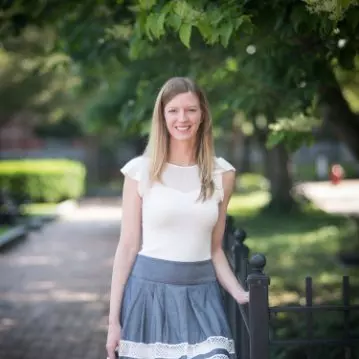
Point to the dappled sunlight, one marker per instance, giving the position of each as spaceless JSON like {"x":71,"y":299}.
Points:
{"x":40,"y":285}
{"x":35,"y":261}
{"x":57,"y":284}
{"x":73,"y":296}
{"x":24,"y":297}
{"x":329,"y":278}
{"x":52,"y":292}
{"x":79,"y":81}
{"x":286,"y":261}
{"x":281,"y":298}
{"x":97,"y":213}
{"x":296,"y":246}
{"x":244,"y":204}
{"x":6,"y":323}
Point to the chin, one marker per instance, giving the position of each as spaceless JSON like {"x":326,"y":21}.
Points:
{"x":187,"y":137}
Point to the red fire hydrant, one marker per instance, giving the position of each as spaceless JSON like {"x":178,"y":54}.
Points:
{"x":336,"y":174}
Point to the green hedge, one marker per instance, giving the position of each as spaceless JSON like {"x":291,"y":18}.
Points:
{"x":43,"y":180}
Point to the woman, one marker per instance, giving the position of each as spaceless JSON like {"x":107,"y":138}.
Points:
{"x":165,"y":298}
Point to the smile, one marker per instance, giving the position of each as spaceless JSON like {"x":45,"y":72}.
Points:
{"x":183,"y":128}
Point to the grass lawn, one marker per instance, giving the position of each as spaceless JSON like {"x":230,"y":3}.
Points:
{"x":39,"y":209}
{"x":295,"y":246}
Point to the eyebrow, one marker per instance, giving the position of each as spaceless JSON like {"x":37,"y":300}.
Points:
{"x":190,"y":106}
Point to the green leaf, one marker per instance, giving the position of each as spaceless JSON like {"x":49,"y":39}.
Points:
{"x":275,"y":138}
{"x":160,"y":27}
{"x":185,"y":34}
{"x":244,"y":19}
{"x":225,"y":33}
{"x":150,"y":24}
{"x":174,"y":21}
{"x":213,"y":36}
{"x":147,"y":4}
{"x":180,"y":8}
{"x":215,"y":16}
{"x":204,"y":28}
{"x":155,"y":24}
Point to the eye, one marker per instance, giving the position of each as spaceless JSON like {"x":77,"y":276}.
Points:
{"x":172,"y":110}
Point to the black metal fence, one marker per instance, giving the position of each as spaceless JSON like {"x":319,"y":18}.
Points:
{"x":237,"y":253}
{"x":252,"y":324}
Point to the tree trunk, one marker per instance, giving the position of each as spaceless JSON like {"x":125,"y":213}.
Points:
{"x":337,"y":113}
{"x":278,"y":172}
{"x":239,"y":149}
{"x":245,"y":164}
{"x":92,"y":161}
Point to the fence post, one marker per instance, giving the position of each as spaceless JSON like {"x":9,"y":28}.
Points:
{"x":242,"y":252}
{"x":241,"y":258}
{"x":258,"y":284}
{"x":231,"y":246}
{"x":227,"y":240}
{"x":228,"y":230}
{"x":237,"y":255}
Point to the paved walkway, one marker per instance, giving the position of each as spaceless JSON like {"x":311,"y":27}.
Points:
{"x":54,"y":287}
{"x":342,"y":198}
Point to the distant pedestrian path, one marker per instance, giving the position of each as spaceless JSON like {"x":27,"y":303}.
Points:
{"x":54,"y":287}
{"x":342,"y":198}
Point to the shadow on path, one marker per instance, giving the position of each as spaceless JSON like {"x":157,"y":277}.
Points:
{"x":54,"y":286}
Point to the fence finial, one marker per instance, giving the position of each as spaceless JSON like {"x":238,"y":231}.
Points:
{"x":240,"y":235}
{"x":258,"y":262}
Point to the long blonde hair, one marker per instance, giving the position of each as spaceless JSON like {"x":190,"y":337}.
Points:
{"x":158,"y":145}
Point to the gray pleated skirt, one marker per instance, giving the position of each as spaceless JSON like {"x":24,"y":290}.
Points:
{"x":173,"y":310}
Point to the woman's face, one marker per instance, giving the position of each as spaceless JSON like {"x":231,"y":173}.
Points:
{"x":183,"y":116}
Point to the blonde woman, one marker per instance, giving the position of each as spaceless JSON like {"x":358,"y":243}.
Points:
{"x":165,"y":296}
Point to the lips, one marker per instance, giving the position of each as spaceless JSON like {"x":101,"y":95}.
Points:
{"x":183,"y":128}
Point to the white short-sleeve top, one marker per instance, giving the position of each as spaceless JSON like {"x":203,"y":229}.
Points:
{"x":175,"y":225}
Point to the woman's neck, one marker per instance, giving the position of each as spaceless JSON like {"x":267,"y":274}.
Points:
{"x":182,"y":153}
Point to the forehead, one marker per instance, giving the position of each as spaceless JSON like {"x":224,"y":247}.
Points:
{"x":184,"y":99}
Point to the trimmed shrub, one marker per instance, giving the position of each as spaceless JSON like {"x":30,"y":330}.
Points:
{"x":43,"y":180}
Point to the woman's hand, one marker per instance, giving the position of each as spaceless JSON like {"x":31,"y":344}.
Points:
{"x":113,"y":340}
{"x":242,"y":297}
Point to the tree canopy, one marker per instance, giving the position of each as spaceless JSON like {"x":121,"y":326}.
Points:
{"x":275,"y":65}
{"x":278,"y":58}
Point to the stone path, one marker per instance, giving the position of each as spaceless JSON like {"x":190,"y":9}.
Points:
{"x":54,"y":287}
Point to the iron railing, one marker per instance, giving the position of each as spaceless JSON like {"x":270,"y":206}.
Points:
{"x":251,"y":324}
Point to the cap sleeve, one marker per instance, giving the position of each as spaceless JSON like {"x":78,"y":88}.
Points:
{"x":220,"y":166}
{"x":135,"y":169}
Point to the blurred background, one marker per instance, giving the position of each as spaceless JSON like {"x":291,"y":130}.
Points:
{"x":77,"y":89}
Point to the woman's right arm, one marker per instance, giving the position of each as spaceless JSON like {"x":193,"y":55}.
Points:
{"x":128,"y":246}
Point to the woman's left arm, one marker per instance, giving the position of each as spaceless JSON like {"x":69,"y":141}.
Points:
{"x":223,"y":270}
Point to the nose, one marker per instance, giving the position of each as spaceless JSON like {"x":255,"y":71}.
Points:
{"x":182,"y":117}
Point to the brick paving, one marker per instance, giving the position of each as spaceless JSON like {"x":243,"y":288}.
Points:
{"x":54,"y":287}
